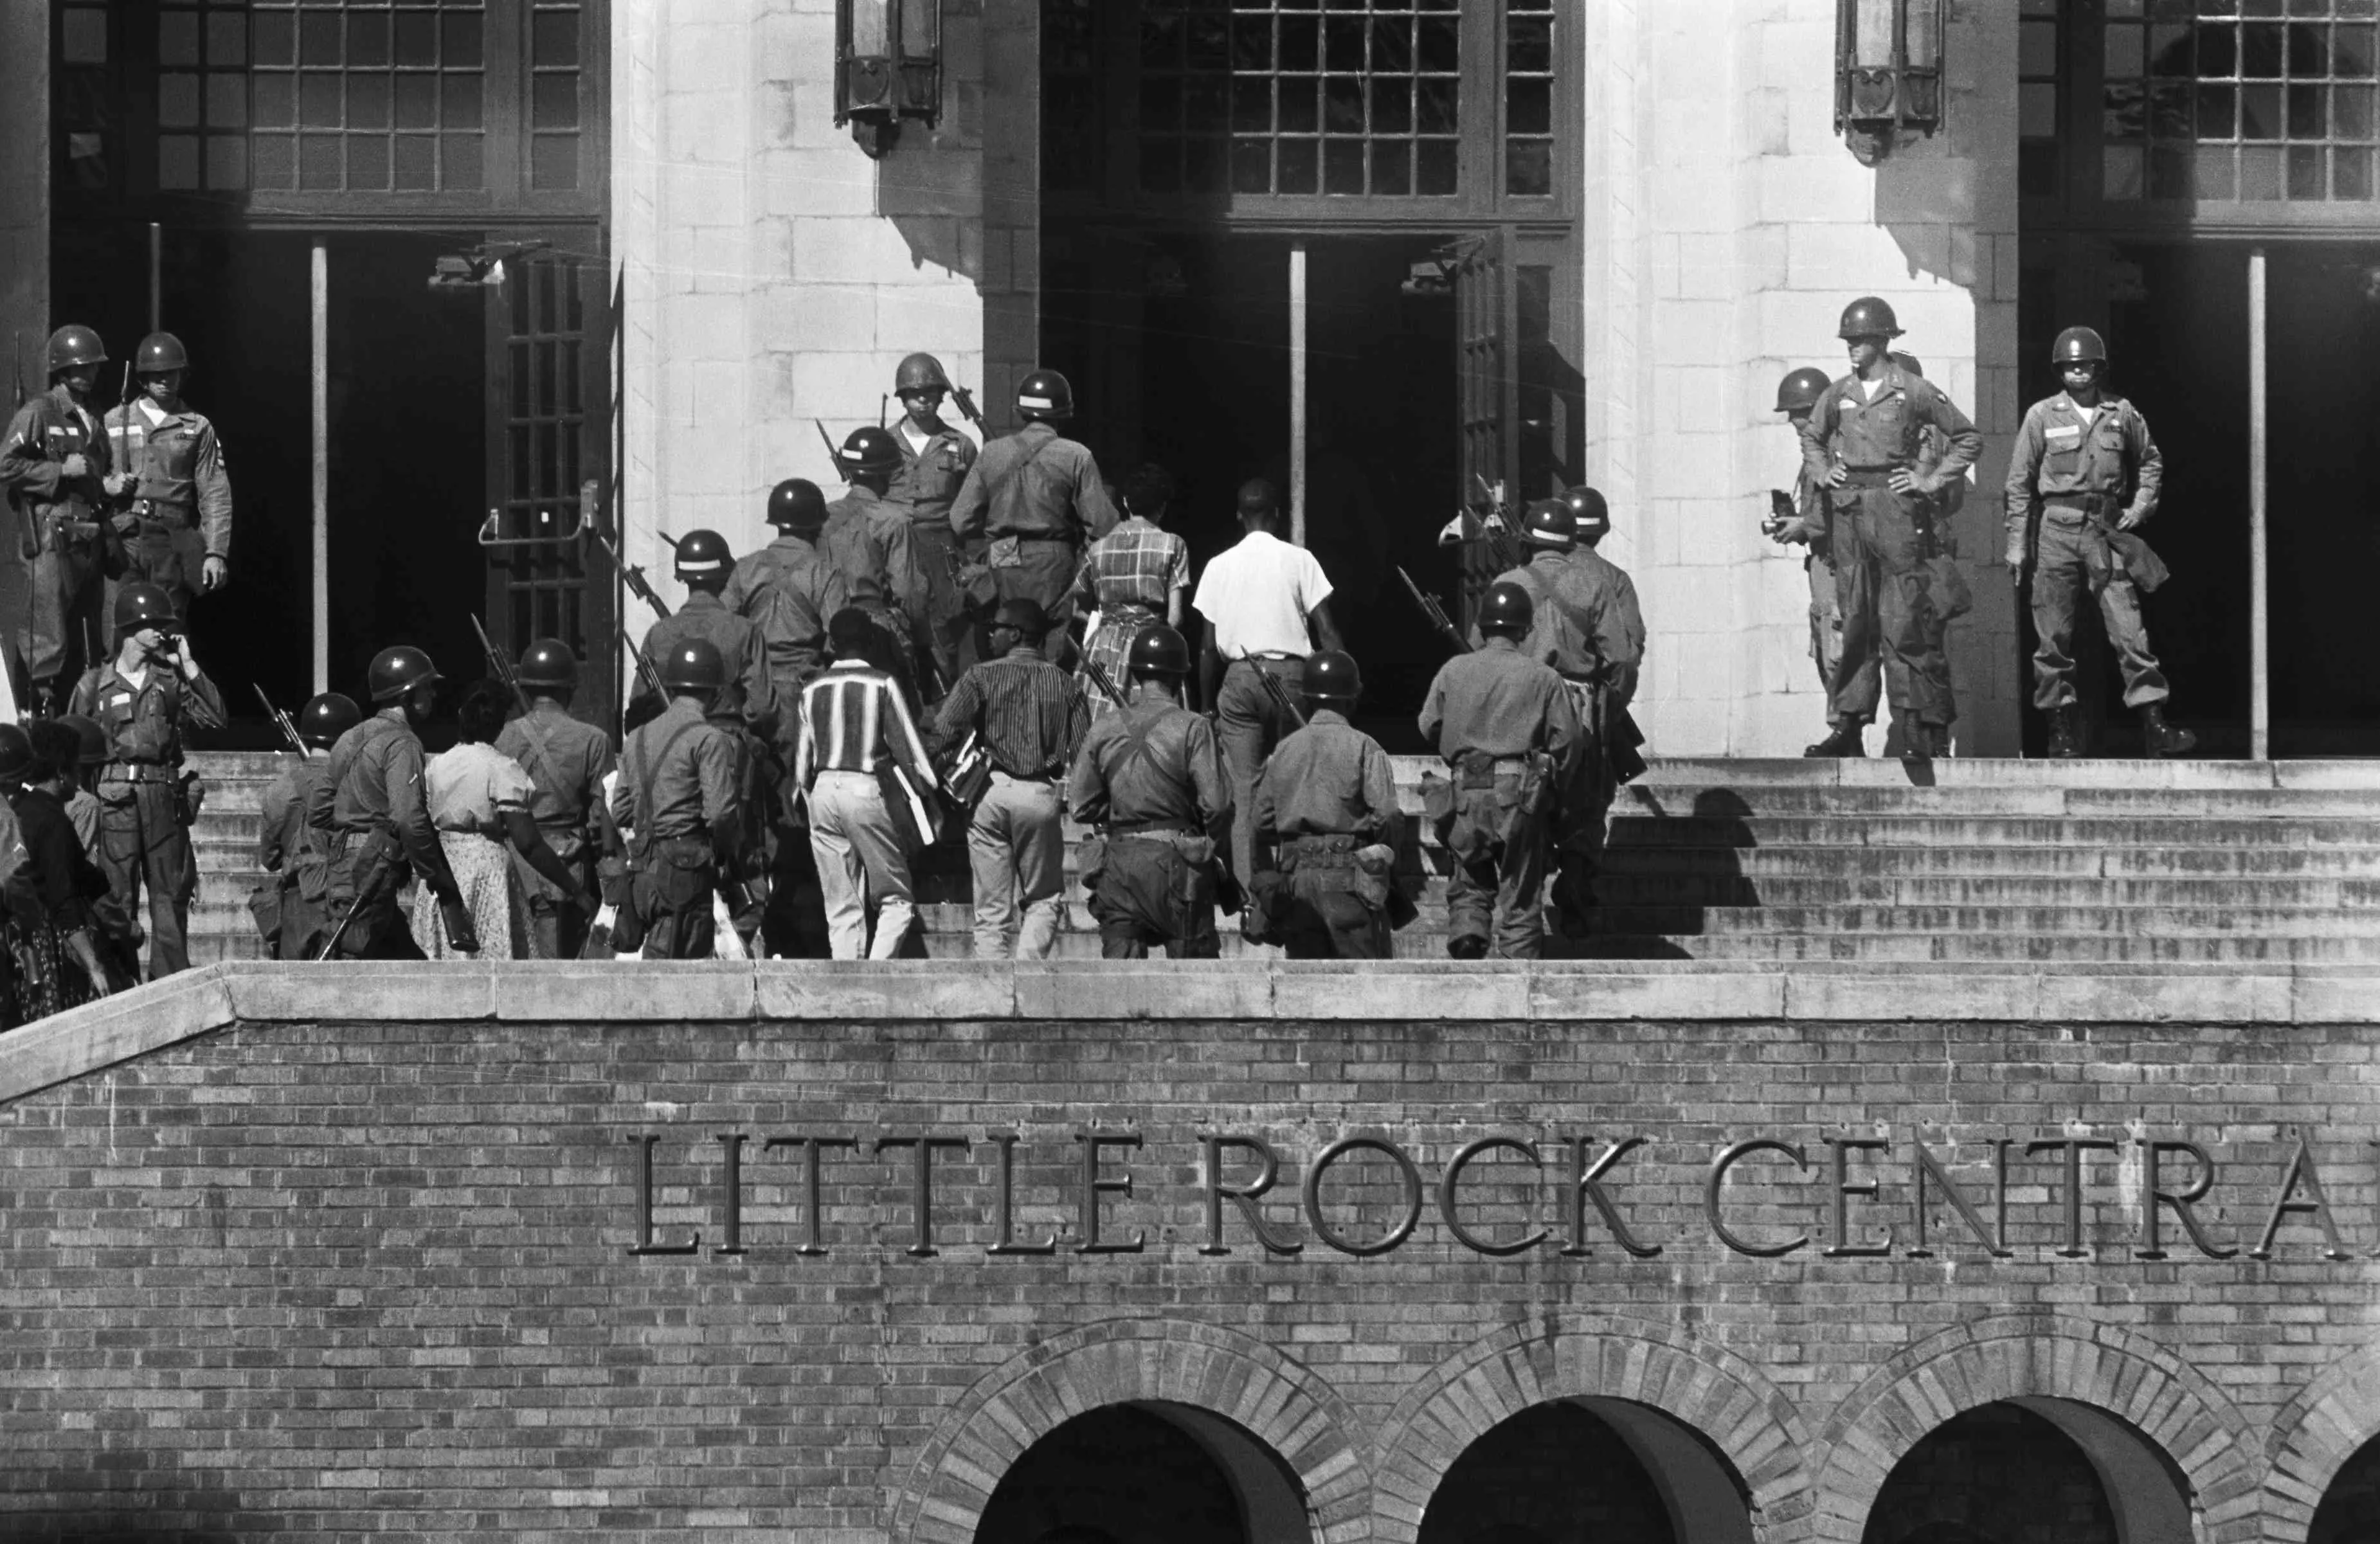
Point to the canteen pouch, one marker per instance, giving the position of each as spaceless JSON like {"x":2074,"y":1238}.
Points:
{"x":1091,"y":860}
{"x":674,"y":876}
{"x":264,"y":905}
{"x":1005,"y":551}
{"x":615,"y":880}
{"x":1436,"y":798}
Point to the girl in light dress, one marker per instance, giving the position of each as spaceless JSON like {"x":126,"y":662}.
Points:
{"x":479,"y":800}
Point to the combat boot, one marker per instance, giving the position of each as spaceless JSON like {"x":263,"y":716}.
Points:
{"x":1845,"y":740}
{"x":2065,"y":744}
{"x":1926,"y":741}
{"x":2161,"y":738}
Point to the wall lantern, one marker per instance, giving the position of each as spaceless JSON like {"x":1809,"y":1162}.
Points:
{"x":1888,"y":73}
{"x":888,"y":67}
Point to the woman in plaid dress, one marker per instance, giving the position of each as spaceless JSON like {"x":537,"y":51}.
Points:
{"x":1133,"y":577}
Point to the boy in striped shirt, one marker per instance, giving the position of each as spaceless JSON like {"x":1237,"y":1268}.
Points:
{"x":854,"y":724}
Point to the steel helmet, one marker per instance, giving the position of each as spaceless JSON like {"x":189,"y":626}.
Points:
{"x":1590,"y":516}
{"x":75,"y":345}
{"x":159,"y":352}
{"x":1551,"y":524}
{"x":91,"y":740}
{"x":1045,"y":394}
{"x":701,"y":553}
{"x":548,"y":662}
{"x":327,"y":716}
{"x":140,"y":605}
{"x":919,"y":372}
{"x":397,"y":670}
{"x":1331,"y":676}
{"x":16,"y":752}
{"x":870,"y":449}
{"x":796,"y":504}
{"x":694,"y":665}
{"x":2079,"y":346}
{"x":1158,"y":650}
{"x":1801,"y":389}
{"x":1868,"y":317}
{"x":1506,"y":608}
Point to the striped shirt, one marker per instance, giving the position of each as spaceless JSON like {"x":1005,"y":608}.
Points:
{"x":1028,"y":710}
{"x":852,"y":719}
{"x":1136,"y":564}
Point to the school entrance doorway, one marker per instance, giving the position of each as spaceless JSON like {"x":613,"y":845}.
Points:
{"x":1334,"y":250}
{"x":279,"y":188}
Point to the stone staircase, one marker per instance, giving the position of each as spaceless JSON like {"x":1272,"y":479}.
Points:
{"x":2081,"y":863}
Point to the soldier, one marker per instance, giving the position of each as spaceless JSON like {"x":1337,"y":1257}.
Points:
{"x":56,"y":937}
{"x":1029,"y":717}
{"x":1133,"y":577}
{"x":374,"y":813}
{"x":1506,"y":725}
{"x":177,"y":531}
{"x":566,"y":760}
{"x":1037,"y":498}
{"x":935,"y":460}
{"x":144,"y":700}
{"x":1151,"y":778}
{"x":292,"y":907}
{"x":704,"y":566}
{"x":1327,"y":828}
{"x":867,"y":536}
{"x":55,"y":468}
{"x":855,"y":722}
{"x":679,"y":791}
{"x":1801,"y":518}
{"x":1263,"y":604}
{"x":1863,"y":442}
{"x":2085,"y":466}
{"x":788,"y":589}
{"x":91,"y":756}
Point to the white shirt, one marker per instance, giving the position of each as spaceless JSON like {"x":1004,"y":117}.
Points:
{"x":1258,"y":594}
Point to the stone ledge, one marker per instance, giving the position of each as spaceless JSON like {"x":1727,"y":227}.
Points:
{"x":153,"y":1018}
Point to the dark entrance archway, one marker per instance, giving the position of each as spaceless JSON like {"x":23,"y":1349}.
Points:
{"x":1150,"y":1471}
{"x":2020,"y":1470}
{"x":1572,"y":1470}
{"x":2350,"y":1508}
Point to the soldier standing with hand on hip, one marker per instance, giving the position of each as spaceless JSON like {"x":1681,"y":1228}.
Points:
{"x":177,"y":532}
{"x":1863,"y":442}
{"x":2084,"y":476}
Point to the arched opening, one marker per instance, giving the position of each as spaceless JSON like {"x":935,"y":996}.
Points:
{"x":2033,"y":1471}
{"x":2350,"y":1512}
{"x":1149,"y":1472}
{"x":1571,"y":1470}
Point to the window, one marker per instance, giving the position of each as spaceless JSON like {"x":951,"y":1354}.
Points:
{"x":2037,"y":99}
{"x":2252,"y":100}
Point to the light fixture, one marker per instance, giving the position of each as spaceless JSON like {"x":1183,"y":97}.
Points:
{"x":888,"y":67}
{"x":1888,"y":73}
{"x":481,"y":268}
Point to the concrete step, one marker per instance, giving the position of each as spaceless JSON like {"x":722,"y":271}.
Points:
{"x":1997,"y":860}
{"x":1418,"y":942}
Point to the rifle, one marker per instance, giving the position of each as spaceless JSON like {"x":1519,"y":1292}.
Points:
{"x":1278,"y":693}
{"x":1436,"y":613}
{"x":500,"y":661}
{"x":281,"y":720}
{"x":831,"y":454}
{"x":1096,"y":673}
{"x":965,"y":399}
{"x":646,"y":670}
{"x":633,"y":574}
{"x":1496,"y":524}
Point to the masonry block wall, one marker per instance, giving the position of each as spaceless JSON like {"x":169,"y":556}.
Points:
{"x":345,"y":1279}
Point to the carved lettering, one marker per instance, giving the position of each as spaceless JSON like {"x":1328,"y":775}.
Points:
{"x":1453,"y":1177}
{"x":1094,"y":1143}
{"x":645,"y":1243}
{"x":1410,"y":1176}
{"x":1842,"y":1247}
{"x":1586,"y":1185}
{"x":1003,"y":1213}
{"x":1994,"y":1238}
{"x":921,"y":1197}
{"x":2153,"y":1197}
{"x":2073,"y":1146}
{"x":1243,"y":1196}
{"x":1719,"y":1168}
{"x":811,"y":1147}
{"x":2301,"y":1172}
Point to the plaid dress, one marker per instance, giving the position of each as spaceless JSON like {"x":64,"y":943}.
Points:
{"x":1128,"y":577}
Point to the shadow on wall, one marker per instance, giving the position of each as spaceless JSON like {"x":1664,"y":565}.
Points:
{"x":930,"y":186}
{"x":128,"y":1501}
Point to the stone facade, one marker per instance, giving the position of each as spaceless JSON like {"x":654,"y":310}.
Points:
{"x":325,"y":1254}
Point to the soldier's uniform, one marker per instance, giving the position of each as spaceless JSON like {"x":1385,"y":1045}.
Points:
{"x":180,"y":513}
{"x":788,"y":589}
{"x":1151,"y":776}
{"x":705,"y":616}
{"x":1326,"y":811}
{"x":2076,"y":475}
{"x":1797,"y":395}
{"x":1037,"y":499}
{"x":566,"y":760}
{"x":145,"y":804}
{"x":679,"y":784}
{"x":293,"y":905}
{"x":1882,"y":540}
{"x":1507,"y":727}
{"x":371,"y":807}
{"x":63,"y":531}
{"x":934,"y":466}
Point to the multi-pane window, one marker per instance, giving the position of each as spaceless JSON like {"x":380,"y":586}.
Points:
{"x":2037,"y":99}
{"x":553,"y":118}
{"x":1529,"y":54}
{"x":356,"y":98}
{"x":545,"y":433}
{"x":2239,"y":100}
{"x":1283,"y":96}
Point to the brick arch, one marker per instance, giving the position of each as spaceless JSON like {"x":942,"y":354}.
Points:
{"x":2125,"y":1375}
{"x":1555,"y":1356}
{"x":2313,"y":1436}
{"x":1281,"y":1402}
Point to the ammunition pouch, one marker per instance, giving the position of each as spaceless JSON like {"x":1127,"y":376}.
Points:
{"x":669,"y":876}
{"x":361,"y":879}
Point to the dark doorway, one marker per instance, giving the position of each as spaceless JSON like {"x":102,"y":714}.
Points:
{"x":1121,"y":1475}
{"x":1999,"y":1473}
{"x":1180,"y":356}
{"x":408,"y":441}
{"x":2350,"y":1512}
{"x":1555,"y":1473}
{"x":2180,"y":339}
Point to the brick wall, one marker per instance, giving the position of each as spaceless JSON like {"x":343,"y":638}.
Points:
{"x":350,"y":1278}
